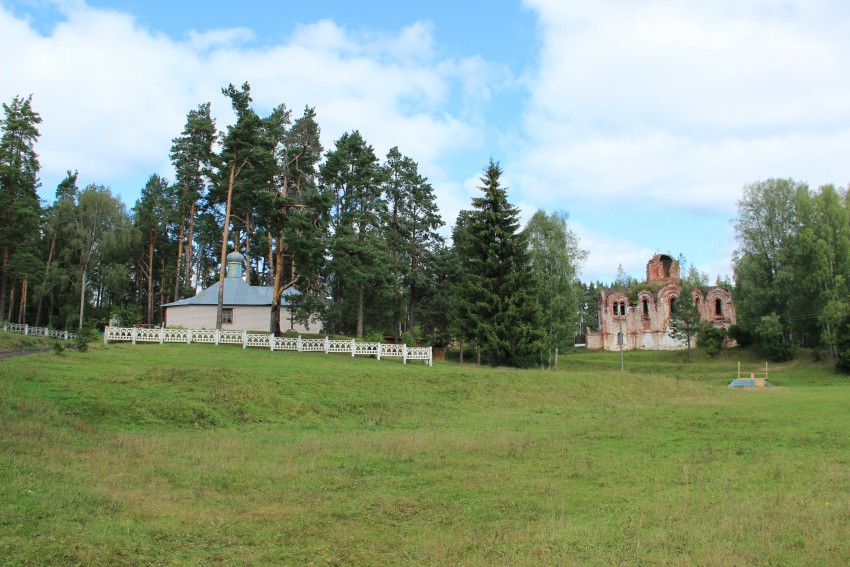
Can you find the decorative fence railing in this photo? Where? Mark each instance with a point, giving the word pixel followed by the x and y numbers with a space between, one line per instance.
pixel 263 340
pixel 39 331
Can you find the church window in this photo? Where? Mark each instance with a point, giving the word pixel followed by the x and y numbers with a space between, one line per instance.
pixel 718 306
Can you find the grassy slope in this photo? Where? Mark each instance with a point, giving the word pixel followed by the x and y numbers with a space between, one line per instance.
pixel 16 341
pixel 196 454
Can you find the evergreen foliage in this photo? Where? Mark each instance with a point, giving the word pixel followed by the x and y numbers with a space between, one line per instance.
pixel 497 289
pixel 685 322
pixel 20 207
pixel 359 269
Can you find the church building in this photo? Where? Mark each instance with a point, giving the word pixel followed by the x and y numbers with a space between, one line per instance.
pixel 642 314
pixel 246 307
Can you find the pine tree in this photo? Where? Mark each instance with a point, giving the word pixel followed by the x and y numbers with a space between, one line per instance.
pixel 358 268
pixel 20 208
pixel 297 218
pixel 412 220
pixel 499 282
pixel 57 218
pixel 191 155
pixel 246 167
pixel 151 214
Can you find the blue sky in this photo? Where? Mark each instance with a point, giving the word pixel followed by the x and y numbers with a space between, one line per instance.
pixel 642 120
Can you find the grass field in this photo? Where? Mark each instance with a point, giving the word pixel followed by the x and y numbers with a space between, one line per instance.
pixel 193 454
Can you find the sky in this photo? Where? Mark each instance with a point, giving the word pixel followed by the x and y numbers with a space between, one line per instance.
pixel 643 120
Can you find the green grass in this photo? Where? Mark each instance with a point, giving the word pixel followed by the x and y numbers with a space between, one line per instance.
pixel 193 454
pixel 16 341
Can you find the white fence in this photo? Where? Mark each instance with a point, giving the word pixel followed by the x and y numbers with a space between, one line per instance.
pixel 38 331
pixel 263 340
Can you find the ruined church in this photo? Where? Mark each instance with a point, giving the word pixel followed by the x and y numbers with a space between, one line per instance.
pixel 642 314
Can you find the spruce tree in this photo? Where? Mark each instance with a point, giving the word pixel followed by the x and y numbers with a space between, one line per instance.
pixel 498 284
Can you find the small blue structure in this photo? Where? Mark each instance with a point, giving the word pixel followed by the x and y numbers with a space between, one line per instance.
pixel 755 380
pixel 750 383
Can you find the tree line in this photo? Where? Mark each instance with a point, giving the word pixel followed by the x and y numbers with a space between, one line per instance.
pixel 358 236
pixel 792 269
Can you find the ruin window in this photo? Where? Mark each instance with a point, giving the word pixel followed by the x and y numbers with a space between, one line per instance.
pixel 622 308
pixel 672 304
pixel 645 308
pixel 227 315
pixel 616 309
pixel 718 306
pixel 667 263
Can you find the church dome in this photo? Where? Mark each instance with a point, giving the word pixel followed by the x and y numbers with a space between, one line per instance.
pixel 235 257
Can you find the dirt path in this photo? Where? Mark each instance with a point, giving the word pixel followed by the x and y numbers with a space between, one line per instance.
pixel 21 352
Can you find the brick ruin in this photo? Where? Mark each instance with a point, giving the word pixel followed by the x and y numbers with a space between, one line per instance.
pixel 643 315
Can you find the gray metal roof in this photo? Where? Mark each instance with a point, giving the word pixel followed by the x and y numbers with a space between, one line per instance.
pixel 236 292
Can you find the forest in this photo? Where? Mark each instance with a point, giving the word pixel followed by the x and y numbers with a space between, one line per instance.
pixel 362 239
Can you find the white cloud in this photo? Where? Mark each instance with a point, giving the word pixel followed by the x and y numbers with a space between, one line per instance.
pixel 684 103
pixel 113 94
pixel 606 253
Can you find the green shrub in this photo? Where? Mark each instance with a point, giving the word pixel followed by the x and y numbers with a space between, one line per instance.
pixel 408 339
pixel 127 315
pixel 371 336
pixel 711 339
pixel 771 339
pixel 842 347
pixel 743 337
pixel 58 347
pixel 85 336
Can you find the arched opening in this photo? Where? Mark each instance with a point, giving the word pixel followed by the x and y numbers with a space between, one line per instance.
pixel 672 304
pixel 718 307
pixel 645 308
pixel 667 262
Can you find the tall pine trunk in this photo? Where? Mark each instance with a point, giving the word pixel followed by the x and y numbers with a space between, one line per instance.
pixel 218 321
pixel 150 280
pixel 46 272
pixel 82 296
pixel 179 256
pixel 22 311
pixel 189 248
pixel 360 302
pixel 12 302
pixel 4 283
pixel 274 322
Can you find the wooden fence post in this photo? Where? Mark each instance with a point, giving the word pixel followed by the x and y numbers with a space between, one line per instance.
pixel 298 347
pixel 327 345
pixel 404 352
pixel 379 351
pixel 244 340
pixel 353 348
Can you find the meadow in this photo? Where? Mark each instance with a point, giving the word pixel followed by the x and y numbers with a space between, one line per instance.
pixel 199 455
